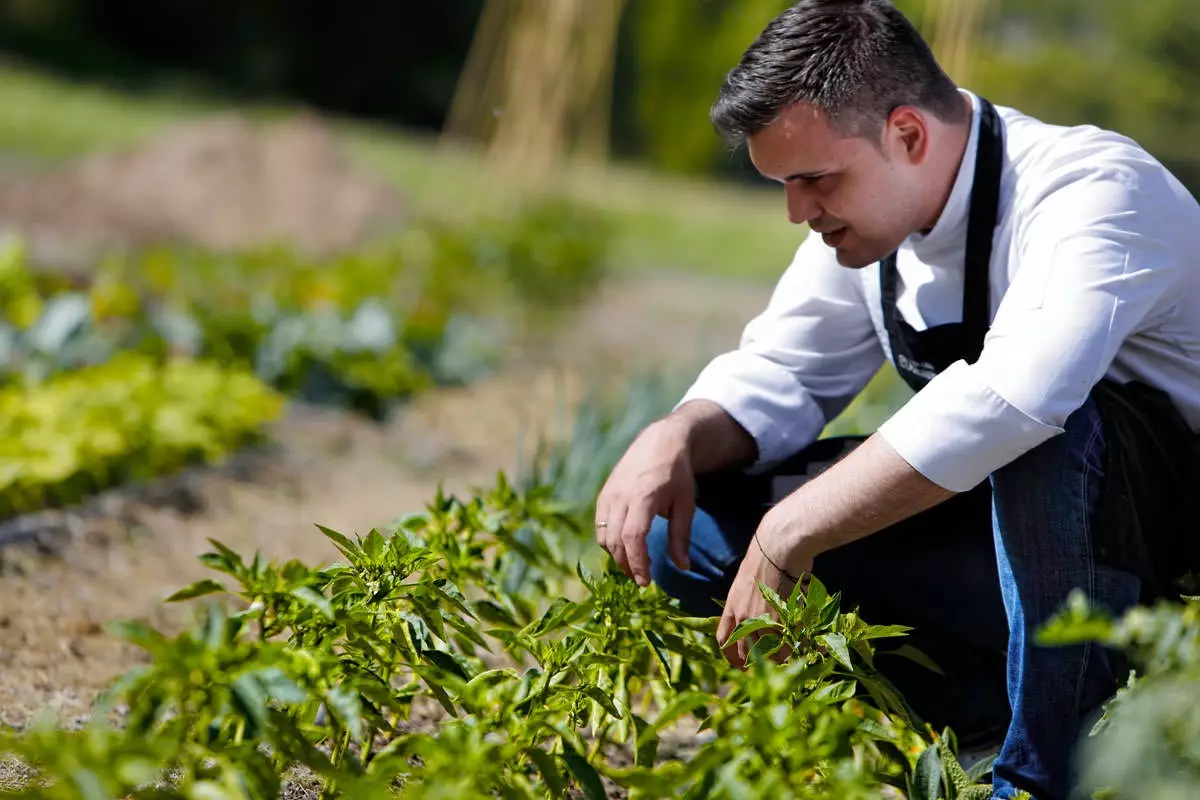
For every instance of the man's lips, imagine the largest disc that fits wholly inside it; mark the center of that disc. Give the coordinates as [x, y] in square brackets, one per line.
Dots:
[832, 236]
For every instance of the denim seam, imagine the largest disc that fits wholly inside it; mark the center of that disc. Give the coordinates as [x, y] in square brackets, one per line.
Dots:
[1091, 566]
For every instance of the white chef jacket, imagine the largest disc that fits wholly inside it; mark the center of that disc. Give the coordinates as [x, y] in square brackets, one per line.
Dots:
[1095, 272]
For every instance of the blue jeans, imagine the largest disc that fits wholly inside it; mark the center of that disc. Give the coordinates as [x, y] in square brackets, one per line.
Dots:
[975, 577]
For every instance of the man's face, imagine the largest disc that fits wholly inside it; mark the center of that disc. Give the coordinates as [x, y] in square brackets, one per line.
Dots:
[863, 198]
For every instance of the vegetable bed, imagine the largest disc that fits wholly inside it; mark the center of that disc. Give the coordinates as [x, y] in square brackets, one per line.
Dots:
[235, 335]
[548, 677]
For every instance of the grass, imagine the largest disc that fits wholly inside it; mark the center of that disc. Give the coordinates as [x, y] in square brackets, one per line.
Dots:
[659, 221]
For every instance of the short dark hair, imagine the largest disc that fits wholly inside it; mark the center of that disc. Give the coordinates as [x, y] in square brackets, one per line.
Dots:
[855, 60]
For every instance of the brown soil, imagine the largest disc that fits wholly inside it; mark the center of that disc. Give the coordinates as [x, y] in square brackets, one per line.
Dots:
[220, 183]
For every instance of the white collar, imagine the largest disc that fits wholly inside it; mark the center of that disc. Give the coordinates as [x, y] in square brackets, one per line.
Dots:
[947, 238]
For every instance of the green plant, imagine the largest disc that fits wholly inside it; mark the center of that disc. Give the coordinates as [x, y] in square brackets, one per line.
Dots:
[130, 419]
[1145, 743]
[568, 683]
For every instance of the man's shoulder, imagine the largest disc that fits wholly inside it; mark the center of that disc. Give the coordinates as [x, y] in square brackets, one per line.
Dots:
[1040, 147]
[1087, 164]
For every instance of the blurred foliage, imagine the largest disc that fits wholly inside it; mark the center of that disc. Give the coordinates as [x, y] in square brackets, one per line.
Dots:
[676, 80]
[362, 330]
[394, 61]
[1146, 744]
[129, 419]
[1129, 66]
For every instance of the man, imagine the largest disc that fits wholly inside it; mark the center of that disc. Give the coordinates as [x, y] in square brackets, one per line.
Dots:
[1037, 286]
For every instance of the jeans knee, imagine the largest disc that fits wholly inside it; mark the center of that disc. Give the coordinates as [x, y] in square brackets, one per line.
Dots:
[662, 569]
[698, 588]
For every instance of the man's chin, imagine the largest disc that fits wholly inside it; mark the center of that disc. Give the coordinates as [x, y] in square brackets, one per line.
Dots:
[854, 258]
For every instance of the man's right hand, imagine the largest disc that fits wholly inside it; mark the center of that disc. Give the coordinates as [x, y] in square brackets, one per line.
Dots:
[655, 476]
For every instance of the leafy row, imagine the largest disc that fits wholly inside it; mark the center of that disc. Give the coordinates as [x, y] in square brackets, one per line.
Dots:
[362, 330]
[127, 420]
[567, 682]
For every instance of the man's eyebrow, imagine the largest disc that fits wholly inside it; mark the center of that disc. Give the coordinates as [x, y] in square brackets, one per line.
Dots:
[806, 175]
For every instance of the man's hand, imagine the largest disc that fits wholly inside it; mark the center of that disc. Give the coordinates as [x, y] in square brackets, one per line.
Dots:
[654, 477]
[745, 600]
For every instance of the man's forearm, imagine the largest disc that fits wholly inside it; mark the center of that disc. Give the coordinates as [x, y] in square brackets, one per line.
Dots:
[870, 489]
[714, 439]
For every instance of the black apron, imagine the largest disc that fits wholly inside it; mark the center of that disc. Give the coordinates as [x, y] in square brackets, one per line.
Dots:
[920, 355]
[1147, 507]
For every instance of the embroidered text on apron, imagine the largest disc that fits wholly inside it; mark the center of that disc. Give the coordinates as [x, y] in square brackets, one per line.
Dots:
[920, 355]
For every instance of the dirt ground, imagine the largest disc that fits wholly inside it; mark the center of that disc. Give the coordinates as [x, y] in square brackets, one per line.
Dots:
[220, 182]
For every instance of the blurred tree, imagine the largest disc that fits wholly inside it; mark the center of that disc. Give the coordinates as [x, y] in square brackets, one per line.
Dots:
[1134, 67]
[683, 48]
[1131, 67]
[537, 85]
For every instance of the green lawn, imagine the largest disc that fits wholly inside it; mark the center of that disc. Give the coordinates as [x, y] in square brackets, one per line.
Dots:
[659, 221]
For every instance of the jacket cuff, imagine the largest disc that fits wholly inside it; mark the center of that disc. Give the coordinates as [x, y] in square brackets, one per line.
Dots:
[762, 398]
[958, 430]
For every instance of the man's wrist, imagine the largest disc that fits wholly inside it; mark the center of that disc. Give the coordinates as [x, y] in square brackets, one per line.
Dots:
[787, 542]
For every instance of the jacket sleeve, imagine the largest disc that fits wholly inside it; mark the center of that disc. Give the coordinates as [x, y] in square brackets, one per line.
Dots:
[800, 361]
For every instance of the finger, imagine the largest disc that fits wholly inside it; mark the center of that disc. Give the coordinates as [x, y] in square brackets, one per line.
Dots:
[633, 534]
[615, 544]
[603, 511]
[724, 628]
[679, 527]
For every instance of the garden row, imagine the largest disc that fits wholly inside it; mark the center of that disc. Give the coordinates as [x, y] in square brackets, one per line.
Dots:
[552, 680]
[162, 358]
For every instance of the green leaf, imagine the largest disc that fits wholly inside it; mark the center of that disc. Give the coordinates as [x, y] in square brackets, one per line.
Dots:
[927, 776]
[348, 548]
[766, 646]
[278, 686]
[447, 663]
[374, 545]
[646, 744]
[982, 767]
[749, 626]
[814, 601]
[546, 765]
[197, 589]
[836, 643]
[494, 613]
[836, 692]
[345, 703]
[602, 698]
[586, 775]
[885, 631]
[311, 597]
[250, 699]
[660, 650]
[915, 655]
[682, 703]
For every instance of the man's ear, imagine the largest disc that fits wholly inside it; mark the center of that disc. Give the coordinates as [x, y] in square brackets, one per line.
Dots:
[909, 131]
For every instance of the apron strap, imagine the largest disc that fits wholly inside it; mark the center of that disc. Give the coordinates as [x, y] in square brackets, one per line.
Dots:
[981, 225]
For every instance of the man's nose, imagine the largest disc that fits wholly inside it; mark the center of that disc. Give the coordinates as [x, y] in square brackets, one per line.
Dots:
[801, 207]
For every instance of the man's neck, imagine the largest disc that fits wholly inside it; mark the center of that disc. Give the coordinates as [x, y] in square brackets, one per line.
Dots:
[952, 141]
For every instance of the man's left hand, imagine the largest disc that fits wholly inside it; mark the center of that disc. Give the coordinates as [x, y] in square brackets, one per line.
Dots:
[745, 600]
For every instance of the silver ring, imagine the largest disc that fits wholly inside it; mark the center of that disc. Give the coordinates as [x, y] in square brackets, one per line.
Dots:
[601, 524]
